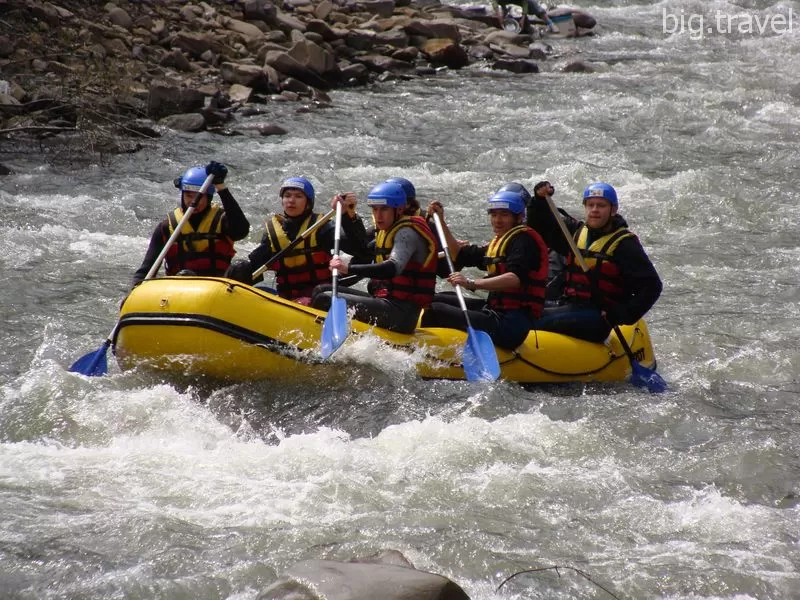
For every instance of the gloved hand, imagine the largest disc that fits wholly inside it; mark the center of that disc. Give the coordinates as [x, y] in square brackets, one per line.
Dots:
[240, 270]
[218, 170]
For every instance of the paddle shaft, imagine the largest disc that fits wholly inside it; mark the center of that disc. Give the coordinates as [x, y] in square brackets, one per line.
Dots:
[443, 242]
[567, 235]
[154, 269]
[337, 234]
[324, 219]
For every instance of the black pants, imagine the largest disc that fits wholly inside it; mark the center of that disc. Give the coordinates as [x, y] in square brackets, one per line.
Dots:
[508, 329]
[395, 315]
[578, 320]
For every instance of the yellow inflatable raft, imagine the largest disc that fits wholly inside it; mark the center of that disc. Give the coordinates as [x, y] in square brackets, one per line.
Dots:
[224, 329]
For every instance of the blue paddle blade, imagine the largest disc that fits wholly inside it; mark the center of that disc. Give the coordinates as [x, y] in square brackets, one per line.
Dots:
[480, 358]
[93, 364]
[644, 377]
[335, 327]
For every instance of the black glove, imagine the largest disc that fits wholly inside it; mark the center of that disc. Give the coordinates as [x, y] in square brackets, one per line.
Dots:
[240, 270]
[218, 170]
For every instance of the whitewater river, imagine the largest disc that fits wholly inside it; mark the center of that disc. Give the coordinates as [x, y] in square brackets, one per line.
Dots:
[127, 486]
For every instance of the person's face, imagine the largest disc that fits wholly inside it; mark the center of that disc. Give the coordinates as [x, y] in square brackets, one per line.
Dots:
[503, 220]
[598, 212]
[188, 198]
[294, 202]
[383, 216]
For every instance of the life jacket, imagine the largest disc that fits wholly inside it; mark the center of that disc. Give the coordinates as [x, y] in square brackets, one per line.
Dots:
[530, 294]
[304, 266]
[205, 250]
[602, 284]
[417, 282]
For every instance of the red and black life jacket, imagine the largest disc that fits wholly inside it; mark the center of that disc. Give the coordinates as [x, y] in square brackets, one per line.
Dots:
[417, 282]
[205, 250]
[602, 284]
[304, 266]
[530, 294]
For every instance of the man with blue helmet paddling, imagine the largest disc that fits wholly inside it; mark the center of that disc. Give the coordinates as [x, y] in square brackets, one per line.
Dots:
[516, 263]
[205, 243]
[300, 266]
[403, 276]
[621, 283]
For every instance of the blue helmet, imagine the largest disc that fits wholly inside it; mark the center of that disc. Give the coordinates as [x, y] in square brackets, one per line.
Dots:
[506, 200]
[388, 193]
[408, 187]
[192, 180]
[302, 184]
[517, 187]
[601, 190]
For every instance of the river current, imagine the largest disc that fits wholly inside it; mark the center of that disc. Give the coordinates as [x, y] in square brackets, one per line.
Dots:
[128, 486]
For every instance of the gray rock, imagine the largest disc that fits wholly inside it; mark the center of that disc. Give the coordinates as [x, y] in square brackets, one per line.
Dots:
[331, 580]
[165, 100]
[322, 28]
[382, 8]
[6, 46]
[191, 122]
[119, 16]
[516, 66]
[176, 60]
[284, 63]
[360, 39]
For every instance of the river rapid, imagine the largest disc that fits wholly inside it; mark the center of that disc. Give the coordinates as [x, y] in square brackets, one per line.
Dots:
[128, 486]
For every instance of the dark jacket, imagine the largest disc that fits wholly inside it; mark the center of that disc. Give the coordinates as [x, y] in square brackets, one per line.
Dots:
[234, 225]
[641, 282]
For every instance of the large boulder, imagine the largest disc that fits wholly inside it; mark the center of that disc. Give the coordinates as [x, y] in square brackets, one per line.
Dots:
[332, 580]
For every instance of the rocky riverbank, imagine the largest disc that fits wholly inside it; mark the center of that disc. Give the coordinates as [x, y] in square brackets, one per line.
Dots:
[111, 75]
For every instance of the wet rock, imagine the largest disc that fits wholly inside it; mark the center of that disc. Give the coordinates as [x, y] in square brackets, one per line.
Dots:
[240, 93]
[283, 62]
[354, 74]
[577, 67]
[516, 66]
[442, 51]
[259, 10]
[382, 8]
[164, 100]
[331, 580]
[316, 58]
[190, 122]
[272, 129]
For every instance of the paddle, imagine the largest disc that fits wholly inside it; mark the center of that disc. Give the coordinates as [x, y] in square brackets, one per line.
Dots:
[335, 327]
[320, 222]
[480, 359]
[95, 364]
[640, 376]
